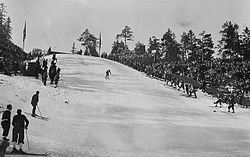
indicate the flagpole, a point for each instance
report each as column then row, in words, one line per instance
column 24, row 34
column 23, row 44
column 100, row 43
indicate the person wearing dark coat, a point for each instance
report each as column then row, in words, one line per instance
column 232, row 102
column 52, row 73
column 38, row 67
column 19, row 123
column 34, row 101
column 45, row 75
column 57, row 76
column 6, row 122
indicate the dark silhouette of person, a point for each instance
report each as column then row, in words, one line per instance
column 57, row 76
column 52, row 73
column 34, row 101
column 38, row 67
column 20, row 122
column 45, row 63
column 231, row 103
column 108, row 72
column 6, row 122
column 45, row 75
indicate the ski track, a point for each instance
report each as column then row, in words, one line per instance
column 128, row 115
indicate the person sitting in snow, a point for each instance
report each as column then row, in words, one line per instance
column 6, row 122
column 20, row 122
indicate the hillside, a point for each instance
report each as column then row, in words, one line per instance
column 129, row 115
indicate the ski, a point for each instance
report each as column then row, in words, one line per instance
column 37, row 116
column 27, row 153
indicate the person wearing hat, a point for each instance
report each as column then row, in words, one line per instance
column 6, row 122
column 34, row 101
column 20, row 122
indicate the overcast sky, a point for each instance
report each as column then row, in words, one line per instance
column 58, row 23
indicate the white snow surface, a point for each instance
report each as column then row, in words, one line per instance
column 129, row 115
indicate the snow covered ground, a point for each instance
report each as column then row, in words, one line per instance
column 129, row 115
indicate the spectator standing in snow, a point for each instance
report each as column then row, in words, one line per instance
column 52, row 72
column 232, row 102
column 20, row 122
column 34, row 101
column 45, row 63
column 57, row 76
column 45, row 75
column 108, row 72
column 6, row 122
column 38, row 67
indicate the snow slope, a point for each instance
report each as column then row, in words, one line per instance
column 129, row 115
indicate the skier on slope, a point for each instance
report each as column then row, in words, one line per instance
column 20, row 122
column 108, row 72
column 6, row 122
column 34, row 101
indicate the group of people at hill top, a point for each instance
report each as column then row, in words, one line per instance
column 20, row 123
column 54, row 72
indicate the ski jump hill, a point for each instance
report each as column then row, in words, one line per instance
column 128, row 115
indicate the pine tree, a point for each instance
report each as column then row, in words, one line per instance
column 90, row 42
column 245, row 44
column 206, row 46
column 154, row 48
column 170, row 47
column 5, row 28
column 190, row 45
column 127, row 34
column 229, row 45
column 139, row 48
column 118, row 48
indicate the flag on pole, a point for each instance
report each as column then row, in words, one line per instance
column 24, row 34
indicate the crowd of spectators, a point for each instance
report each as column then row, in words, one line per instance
column 228, row 76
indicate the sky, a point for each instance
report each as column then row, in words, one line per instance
column 59, row 23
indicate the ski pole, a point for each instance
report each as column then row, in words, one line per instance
column 27, row 139
column 39, row 111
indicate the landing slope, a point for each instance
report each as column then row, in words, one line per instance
column 129, row 115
